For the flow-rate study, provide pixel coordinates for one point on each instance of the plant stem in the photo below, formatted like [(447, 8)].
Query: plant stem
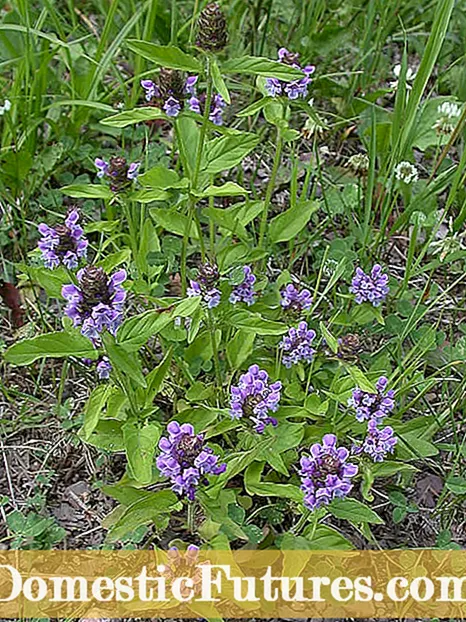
[(301, 523), (270, 187), (213, 340), (191, 516)]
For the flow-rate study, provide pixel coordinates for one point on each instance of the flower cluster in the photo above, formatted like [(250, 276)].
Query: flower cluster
[(406, 173), (325, 473), (374, 406), (104, 367), (449, 114), (171, 93), (244, 292), (207, 278), (212, 34), (97, 303), (410, 76), (5, 108), (378, 442), (371, 287), (63, 244), (254, 397), (186, 460), (296, 88), (120, 173), (295, 301), (297, 345)]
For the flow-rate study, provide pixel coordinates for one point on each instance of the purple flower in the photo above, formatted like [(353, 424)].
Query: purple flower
[(373, 405), (325, 474), (194, 104), (205, 286), (216, 110), (297, 345), (190, 85), (102, 167), (97, 303), (63, 244), (255, 398), (186, 460), (244, 292), (295, 301), (296, 88), (172, 107), (118, 171), (151, 89), (104, 367), (371, 287), (379, 442)]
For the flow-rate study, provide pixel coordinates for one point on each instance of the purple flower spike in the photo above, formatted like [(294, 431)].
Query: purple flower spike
[(104, 367), (379, 442), (172, 107), (255, 398), (371, 287), (186, 460), (325, 474), (63, 244), (244, 292), (205, 286), (297, 345), (97, 303), (373, 405), (102, 167), (295, 89), (295, 301)]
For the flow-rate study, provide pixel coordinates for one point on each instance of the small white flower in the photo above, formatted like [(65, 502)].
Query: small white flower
[(449, 113), (6, 107), (410, 75), (359, 163), (406, 172)]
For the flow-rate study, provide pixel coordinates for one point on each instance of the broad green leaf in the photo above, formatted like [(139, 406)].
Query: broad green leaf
[(325, 538), (240, 348), (107, 435), (161, 177), (94, 406), (147, 510), (147, 195), (127, 363), (173, 221), (255, 323), (225, 152), (187, 132), (228, 189), (138, 115), (53, 345), (254, 107), (136, 330), (156, 377), (456, 485), (88, 191), (390, 467), (167, 56), (361, 381), (140, 446), (254, 485), (219, 82), (51, 281), (259, 66), (354, 511), (288, 224), (331, 341), (114, 260)]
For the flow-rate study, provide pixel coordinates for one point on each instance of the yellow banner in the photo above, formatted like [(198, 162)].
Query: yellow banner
[(233, 584)]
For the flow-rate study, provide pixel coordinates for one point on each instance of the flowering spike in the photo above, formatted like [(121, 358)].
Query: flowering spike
[(255, 398), (371, 287), (295, 89), (63, 244), (297, 345), (212, 35), (373, 405), (244, 292)]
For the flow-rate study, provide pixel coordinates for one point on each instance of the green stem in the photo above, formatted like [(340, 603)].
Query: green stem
[(270, 187), (213, 340), (191, 516), (301, 523)]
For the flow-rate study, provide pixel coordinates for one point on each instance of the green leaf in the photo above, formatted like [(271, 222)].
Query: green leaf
[(287, 225), (326, 538), (87, 191), (94, 406), (161, 177), (147, 195), (255, 323), (138, 115), (259, 66), (167, 56), (219, 82), (456, 485), (127, 363), (225, 152), (53, 345), (140, 446), (332, 342), (360, 379), (228, 189), (391, 467), (240, 348), (254, 107), (150, 509), (354, 511), (51, 281), (156, 377), (173, 221), (114, 260), (254, 485), (107, 435)]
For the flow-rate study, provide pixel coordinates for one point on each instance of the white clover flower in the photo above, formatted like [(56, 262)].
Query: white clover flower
[(410, 75), (449, 114), (5, 108), (359, 163), (406, 172)]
